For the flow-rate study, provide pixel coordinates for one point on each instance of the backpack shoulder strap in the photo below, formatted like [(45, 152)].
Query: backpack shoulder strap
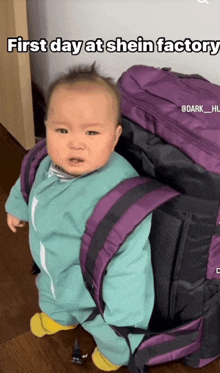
[(30, 165), (115, 217)]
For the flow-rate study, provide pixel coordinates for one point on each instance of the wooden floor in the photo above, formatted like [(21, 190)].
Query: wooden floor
[(20, 351)]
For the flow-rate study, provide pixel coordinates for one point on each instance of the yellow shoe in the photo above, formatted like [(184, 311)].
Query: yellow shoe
[(102, 362), (42, 324)]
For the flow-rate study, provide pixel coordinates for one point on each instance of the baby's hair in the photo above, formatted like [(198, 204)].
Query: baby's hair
[(85, 73)]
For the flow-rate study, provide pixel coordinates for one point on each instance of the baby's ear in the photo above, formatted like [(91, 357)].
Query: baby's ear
[(118, 133), (119, 130)]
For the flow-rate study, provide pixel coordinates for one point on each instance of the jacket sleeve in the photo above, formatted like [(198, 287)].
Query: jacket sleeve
[(128, 290), (15, 204)]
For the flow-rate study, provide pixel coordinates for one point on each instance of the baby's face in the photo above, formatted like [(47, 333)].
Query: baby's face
[(82, 127)]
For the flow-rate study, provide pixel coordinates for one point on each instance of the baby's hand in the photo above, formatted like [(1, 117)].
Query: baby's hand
[(14, 222)]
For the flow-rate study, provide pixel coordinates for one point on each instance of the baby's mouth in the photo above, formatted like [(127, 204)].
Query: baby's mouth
[(75, 160)]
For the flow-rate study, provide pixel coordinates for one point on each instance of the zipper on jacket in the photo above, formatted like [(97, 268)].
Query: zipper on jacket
[(34, 205), (43, 262), (42, 248)]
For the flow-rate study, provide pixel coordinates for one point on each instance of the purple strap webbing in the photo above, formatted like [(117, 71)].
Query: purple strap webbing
[(153, 196), (30, 165)]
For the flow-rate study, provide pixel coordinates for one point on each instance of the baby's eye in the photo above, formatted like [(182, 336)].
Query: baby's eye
[(92, 133), (61, 130)]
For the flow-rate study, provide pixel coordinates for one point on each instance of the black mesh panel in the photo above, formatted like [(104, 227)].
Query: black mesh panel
[(164, 243)]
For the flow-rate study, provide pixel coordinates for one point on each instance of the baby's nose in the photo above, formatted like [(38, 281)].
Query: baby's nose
[(76, 142)]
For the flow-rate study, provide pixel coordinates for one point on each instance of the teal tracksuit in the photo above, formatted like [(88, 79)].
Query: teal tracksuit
[(57, 214)]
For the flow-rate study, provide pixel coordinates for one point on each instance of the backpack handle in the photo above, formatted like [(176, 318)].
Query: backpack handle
[(187, 76)]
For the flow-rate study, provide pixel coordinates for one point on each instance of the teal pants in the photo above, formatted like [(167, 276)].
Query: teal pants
[(112, 346)]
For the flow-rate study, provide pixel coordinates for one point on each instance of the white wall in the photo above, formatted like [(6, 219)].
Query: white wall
[(151, 19)]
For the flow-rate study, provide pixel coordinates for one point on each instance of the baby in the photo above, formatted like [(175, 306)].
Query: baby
[(82, 130)]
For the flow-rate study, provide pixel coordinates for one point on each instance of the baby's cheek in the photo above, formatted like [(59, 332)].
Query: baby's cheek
[(52, 147)]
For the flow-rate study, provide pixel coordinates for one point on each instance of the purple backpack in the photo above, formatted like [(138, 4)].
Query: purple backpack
[(174, 146)]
